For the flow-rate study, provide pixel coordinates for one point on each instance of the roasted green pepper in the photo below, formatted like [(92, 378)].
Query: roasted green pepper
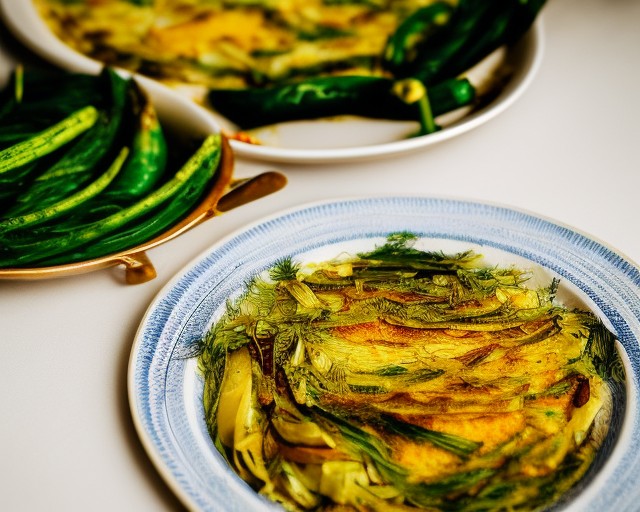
[(148, 226), (505, 28), (48, 140), (148, 159), (475, 29), (46, 213), (19, 162), (330, 96), (413, 32)]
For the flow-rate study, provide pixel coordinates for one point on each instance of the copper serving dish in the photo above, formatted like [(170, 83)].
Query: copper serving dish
[(224, 194)]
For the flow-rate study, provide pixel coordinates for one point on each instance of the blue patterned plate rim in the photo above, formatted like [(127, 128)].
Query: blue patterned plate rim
[(165, 386)]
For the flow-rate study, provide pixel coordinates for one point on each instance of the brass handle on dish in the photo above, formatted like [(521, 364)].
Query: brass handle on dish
[(138, 266), (251, 189)]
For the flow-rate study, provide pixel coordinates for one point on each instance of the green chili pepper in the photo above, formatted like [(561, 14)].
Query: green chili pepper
[(435, 45), (148, 158), (150, 225), (35, 108), (23, 249), (505, 27), (78, 165), (48, 140), (142, 170), (24, 159), (413, 32), (68, 203), (476, 29), (429, 60), (329, 96)]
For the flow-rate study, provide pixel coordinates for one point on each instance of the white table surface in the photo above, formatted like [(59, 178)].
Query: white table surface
[(569, 149)]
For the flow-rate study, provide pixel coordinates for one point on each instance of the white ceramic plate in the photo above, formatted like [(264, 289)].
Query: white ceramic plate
[(165, 387), (317, 141)]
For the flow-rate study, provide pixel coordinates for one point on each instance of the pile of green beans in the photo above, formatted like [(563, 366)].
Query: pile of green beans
[(433, 46), (86, 169)]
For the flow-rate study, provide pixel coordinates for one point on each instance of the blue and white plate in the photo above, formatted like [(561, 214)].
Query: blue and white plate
[(165, 387)]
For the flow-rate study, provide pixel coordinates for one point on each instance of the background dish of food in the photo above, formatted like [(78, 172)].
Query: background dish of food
[(316, 141)]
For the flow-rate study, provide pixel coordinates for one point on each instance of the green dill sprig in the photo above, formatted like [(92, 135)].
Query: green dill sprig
[(284, 270)]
